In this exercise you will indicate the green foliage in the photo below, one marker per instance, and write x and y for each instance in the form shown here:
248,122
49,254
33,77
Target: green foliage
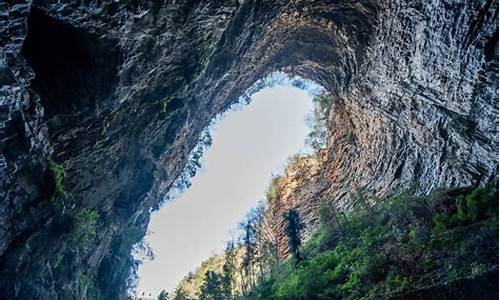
317,121
180,294
350,137
387,249
479,204
85,226
440,222
397,283
273,189
324,101
58,173
190,286
57,261
87,285
229,269
478,269
352,285
211,289
427,263
166,106
163,295
377,251
248,240
293,230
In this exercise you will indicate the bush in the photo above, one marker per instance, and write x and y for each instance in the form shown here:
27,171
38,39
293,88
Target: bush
396,284
85,226
480,203
58,173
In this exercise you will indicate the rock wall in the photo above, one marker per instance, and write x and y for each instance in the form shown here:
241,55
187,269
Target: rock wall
117,94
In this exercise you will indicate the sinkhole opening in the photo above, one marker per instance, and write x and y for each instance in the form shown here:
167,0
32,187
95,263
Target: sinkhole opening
276,119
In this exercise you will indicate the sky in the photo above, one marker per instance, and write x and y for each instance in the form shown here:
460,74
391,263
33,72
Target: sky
249,145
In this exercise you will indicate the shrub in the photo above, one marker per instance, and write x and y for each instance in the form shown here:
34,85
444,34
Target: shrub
85,226
352,286
427,263
478,269
324,101
397,283
87,284
480,203
57,261
58,173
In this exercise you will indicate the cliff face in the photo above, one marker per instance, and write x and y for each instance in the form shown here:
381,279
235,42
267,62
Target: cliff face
115,94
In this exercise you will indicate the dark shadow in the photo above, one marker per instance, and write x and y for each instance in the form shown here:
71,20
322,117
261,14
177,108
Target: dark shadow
74,70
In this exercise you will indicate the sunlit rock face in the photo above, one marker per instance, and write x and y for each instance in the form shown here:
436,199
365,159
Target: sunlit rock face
118,93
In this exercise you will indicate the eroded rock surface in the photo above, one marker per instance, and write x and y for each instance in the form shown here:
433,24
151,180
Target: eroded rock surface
117,93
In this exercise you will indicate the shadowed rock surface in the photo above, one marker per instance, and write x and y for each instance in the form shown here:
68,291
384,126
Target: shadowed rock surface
117,94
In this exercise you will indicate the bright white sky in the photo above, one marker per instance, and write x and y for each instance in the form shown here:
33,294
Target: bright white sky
248,146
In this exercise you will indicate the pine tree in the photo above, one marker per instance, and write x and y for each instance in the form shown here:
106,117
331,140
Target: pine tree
293,230
228,270
163,295
249,246
180,294
212,287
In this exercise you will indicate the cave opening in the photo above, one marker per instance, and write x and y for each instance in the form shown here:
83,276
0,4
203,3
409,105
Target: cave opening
103,101
248,144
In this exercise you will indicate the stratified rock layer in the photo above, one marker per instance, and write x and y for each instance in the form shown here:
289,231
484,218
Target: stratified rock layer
118,93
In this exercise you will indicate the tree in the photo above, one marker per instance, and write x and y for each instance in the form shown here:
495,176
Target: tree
180,294
163,295
211,288
249,237
293,230
228,270
248,257
266,239
316,121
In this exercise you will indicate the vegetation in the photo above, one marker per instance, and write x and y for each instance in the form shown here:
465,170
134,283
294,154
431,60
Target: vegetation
213,287
87,285
183,181
401,244
317,121
191,285
85,226
163,295
242,265
293,229
165,106
57,261
141,252
58,173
